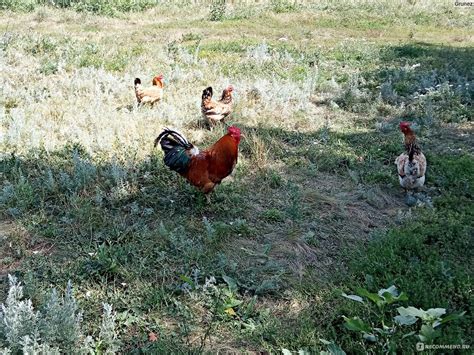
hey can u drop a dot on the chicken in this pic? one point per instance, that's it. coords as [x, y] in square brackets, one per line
[203, 169]
[216, 111]
[411, 164]
[150, 94]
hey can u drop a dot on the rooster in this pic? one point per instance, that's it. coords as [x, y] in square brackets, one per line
[150, 94]
[411, 164]
[216, 111]
[203, 169]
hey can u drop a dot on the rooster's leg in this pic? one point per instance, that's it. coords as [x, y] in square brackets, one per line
[208, 199]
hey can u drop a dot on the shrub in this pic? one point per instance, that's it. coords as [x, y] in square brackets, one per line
[102, 7]
[57, 326]
[18, 5]
[217, 10]
[281, 6]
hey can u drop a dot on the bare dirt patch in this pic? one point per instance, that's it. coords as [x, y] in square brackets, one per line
[334, 214]
[16, 244]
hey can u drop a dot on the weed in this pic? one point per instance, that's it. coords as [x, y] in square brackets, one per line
[384, 336]
[217, 10]
[273, 215]
[281, 6]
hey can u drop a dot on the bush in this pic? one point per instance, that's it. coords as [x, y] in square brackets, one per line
[281, 6]
[18, 5]
[57, 326]
[102, 7]
[217, 11]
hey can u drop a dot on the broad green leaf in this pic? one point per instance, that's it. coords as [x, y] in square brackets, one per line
[392, 290]
[353, 297]
[435, 313]
[402, 297]
[228, 293]
[411, 311]
[232, 303]
[231, 283]
[405, 320]
[357, 324]
[408, 334]
[370, 337]
[389, 298]
[333, 349]
[428, 333]
[371, 296]
[452, 316]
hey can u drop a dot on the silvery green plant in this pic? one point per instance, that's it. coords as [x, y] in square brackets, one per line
[353, 94]
[61, 319]
[108, 340]
[52, 329]
[34, 113]
[260, 53]
[18, 319]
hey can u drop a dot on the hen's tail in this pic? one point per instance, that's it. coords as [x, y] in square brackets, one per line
[138, 90]
[207, 94]
[175, 147]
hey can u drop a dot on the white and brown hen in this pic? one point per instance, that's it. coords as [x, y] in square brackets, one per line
[411, 165]
[216, 111]
[150, 94]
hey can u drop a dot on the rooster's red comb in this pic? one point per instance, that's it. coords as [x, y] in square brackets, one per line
[233, 130]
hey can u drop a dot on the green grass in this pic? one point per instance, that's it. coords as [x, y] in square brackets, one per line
[313, 208]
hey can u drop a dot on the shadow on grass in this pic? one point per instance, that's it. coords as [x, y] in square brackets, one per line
[289, 226]
[282, 225]
[302, 196]
[432, 56]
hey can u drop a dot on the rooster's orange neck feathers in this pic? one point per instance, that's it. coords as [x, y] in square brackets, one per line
[411, 145]
[410, 136]
[226, 96]
[157, 81]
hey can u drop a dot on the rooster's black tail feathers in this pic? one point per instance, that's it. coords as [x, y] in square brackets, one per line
[170, 138]
[175, 146]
